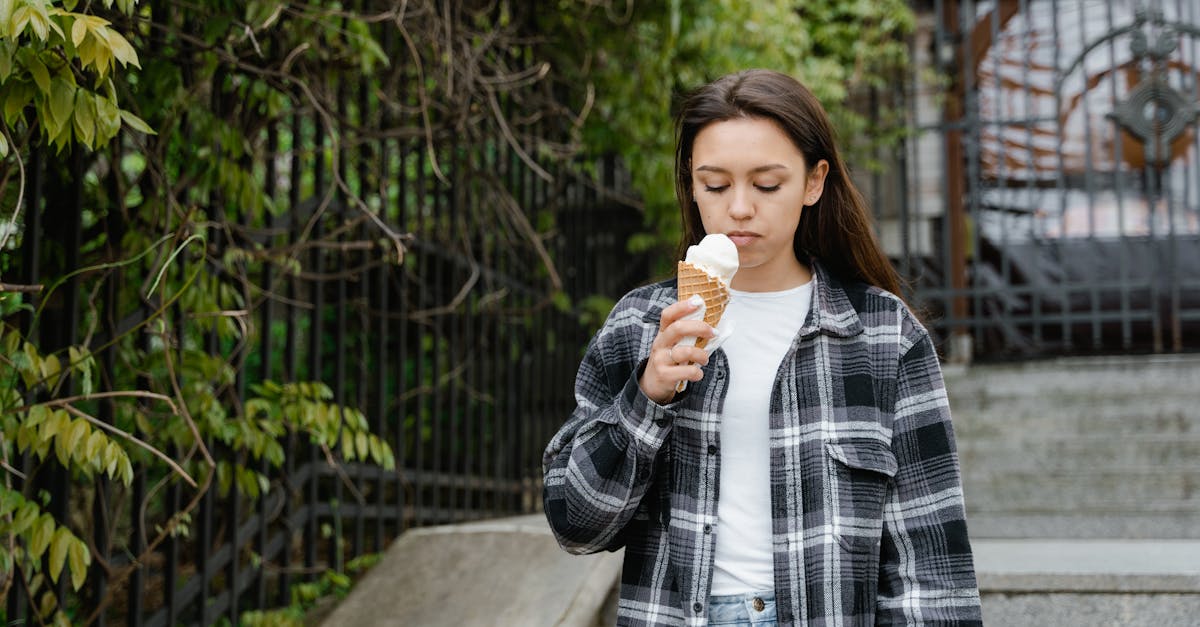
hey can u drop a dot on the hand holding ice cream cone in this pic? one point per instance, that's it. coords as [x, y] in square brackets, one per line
[673, 355]
[693, 327]
[705, 273]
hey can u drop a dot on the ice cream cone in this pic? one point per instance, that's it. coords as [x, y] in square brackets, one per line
[693, 280]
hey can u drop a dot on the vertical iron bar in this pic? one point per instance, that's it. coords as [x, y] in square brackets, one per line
[1192, 199]
[422, 399]
[509, 332]
[316, 334]
[452, 423]
[1061, 190]
[399, 281]
[1002, 190]
[973, 209]
[1090, 190]
[137, 536]
[440, 462]
[379, 422]
[266, 323]
[340, 394]
[474, 255]
[1118, 185]
[291, 358]
[204, 546]
[101, 505]
[66, 333]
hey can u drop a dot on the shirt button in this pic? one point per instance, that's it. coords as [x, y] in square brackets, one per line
[712, 449]
[662, 422]
[758, 604]
[707, 528]
[696, 607]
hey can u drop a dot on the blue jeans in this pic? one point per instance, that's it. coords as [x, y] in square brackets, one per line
[742, 610]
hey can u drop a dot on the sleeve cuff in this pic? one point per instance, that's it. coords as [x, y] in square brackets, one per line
[646, 422]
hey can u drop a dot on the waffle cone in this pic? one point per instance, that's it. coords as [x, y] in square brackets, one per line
[693, 280]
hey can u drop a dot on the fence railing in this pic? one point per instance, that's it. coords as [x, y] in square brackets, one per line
[459, 362]
[461, 355]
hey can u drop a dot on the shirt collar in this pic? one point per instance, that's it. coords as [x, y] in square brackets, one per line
[832, 312]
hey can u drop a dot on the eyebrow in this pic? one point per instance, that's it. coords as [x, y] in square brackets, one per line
[759, 169]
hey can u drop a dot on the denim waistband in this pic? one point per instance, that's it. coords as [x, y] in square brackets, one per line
[754, 609]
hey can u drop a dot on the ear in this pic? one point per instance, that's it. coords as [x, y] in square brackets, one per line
[815, 184]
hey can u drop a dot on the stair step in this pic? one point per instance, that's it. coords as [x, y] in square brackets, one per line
[1088, 582]
[1039, 417]
[1139, 523]
[1079, 378]
[1058, 491]
[1065, 453]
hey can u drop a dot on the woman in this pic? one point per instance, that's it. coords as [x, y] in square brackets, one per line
[807, 475]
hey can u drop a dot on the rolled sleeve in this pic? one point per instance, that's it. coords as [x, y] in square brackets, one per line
[601, 462]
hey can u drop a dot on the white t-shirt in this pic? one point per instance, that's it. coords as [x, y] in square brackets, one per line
[765, 323]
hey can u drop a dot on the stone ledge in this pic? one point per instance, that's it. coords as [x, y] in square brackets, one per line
[1101, 566]
[502, 572]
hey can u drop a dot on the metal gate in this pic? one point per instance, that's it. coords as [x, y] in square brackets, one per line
[1054, 205]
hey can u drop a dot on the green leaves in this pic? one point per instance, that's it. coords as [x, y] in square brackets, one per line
[637, 65]
[301, 408]
[38, 533]
[75, 443]
[63, 73]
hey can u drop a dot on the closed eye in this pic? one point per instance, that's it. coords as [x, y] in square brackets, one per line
[715, 189]
[767, 188]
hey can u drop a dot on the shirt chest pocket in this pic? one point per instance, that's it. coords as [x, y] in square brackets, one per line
[860, 471]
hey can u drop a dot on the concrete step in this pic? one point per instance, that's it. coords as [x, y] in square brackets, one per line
[997, 455]
[1131, 524]
[1151, 489]
[1034, 417]
[1080, 582]
[1080, 378]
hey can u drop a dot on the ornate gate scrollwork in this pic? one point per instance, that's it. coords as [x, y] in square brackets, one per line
[1155, 112]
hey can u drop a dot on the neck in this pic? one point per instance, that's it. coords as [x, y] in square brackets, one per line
[771, 279]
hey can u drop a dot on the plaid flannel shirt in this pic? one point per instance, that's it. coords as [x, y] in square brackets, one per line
[868, 516]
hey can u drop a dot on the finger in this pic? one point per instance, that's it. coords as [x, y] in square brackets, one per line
[685, 363]
[681, 354]
[690, 355]
[672, 334]
[688, 372]
[675, 312]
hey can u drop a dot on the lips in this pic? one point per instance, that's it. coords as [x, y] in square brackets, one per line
[742, 238]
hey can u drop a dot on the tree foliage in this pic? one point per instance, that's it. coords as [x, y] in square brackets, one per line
[633, 60]
[70, 80]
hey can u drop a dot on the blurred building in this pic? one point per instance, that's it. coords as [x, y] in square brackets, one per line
[1047, 200]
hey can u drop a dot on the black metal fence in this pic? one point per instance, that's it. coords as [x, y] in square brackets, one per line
[1048, 201]
[458, 356]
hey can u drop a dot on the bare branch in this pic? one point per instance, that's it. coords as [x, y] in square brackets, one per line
[14, 287]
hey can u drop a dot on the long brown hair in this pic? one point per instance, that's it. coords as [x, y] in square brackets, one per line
[837, 229]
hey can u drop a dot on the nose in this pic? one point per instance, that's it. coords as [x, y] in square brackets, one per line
[740, 204]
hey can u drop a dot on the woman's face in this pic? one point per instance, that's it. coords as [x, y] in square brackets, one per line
[750, 183]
